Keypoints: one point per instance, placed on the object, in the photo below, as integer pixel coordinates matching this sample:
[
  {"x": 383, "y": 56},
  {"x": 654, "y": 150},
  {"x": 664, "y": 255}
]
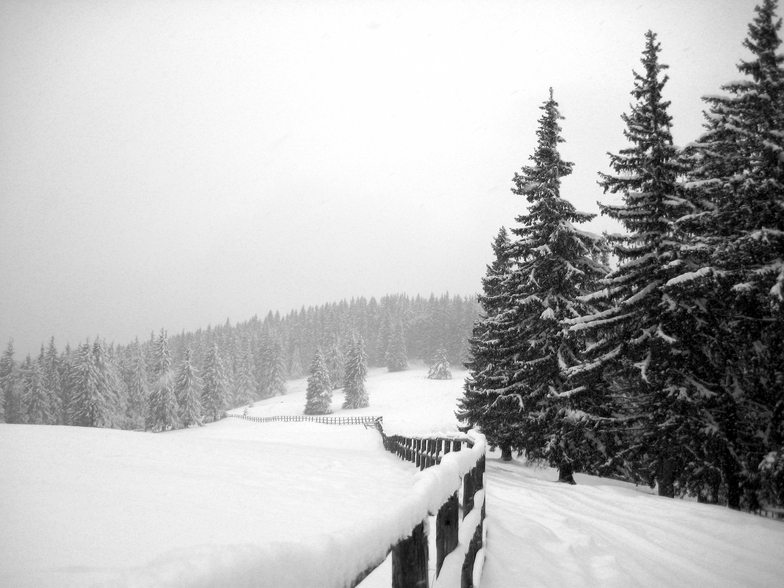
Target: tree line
[
  {"x": 193, "y": 377},
  {"x": 668, "y": 368}
]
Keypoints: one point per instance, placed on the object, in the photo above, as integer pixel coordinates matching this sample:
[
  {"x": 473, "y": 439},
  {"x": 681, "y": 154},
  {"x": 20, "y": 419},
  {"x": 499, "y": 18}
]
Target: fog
[{"x": 174, "y": 164}]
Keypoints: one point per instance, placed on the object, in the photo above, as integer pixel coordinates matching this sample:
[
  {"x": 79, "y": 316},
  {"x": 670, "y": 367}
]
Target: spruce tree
[
  {"x": 272, "y": 380},
  {"x": 137, "y": 384},
  {"x": 295, "y": 366},
  {"x": 640, "y": 339},
  {"x": 335, "y": 362},
  {"x": 187, "y": 390},
  {"x": 396, "y": 358},
  {"x": 318, "y": 396},
  {"x": 89, "y": 404},
  {"x": 356, "y": 395},
  {"x": 736, "y": 284},
  {"x": 8, "y": 376},
  {"x": 245, "y": 384},
  {"x": 552, "y": 268},
  {"x": 214, "y": 393},
  {"x": 483, "y": 404},
  {"x": 440, "y": 369},
  {"x": 164, "y": 412},
  {"x": 36, "y": 400},
  {"x": 53, "y": 383}
]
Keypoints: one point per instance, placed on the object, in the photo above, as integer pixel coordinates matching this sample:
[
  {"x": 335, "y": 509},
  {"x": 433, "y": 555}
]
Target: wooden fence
[
  {"x": 342, "y": 420},
  {"x": 410, "y": 556}
]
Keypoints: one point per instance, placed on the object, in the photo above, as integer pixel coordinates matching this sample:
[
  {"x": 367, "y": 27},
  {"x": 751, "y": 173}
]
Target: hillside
[{"x": 214, "y": 506}]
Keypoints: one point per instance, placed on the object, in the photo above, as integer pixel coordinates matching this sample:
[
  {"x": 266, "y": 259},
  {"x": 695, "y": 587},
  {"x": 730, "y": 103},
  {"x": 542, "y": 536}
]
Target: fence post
[
  {"x": 469, "y": 488},
  {"x": 409, "y": 560},
  {"x": 446, "y": 530}
]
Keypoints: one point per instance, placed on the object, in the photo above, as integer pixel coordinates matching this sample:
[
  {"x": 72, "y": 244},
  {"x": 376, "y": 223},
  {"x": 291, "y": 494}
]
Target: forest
[
  {"x": 187, "y": 379},
  {"x": 666, "y": 366}
]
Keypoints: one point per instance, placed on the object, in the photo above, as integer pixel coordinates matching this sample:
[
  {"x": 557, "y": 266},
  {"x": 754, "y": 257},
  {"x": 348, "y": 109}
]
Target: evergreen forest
[
  {"x": 657, "y": 354},
  {"x": 189, "y": 379}
]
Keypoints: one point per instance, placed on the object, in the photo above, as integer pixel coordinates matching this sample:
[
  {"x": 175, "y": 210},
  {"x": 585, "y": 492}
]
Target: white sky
[{"x": 174, "y": 163}]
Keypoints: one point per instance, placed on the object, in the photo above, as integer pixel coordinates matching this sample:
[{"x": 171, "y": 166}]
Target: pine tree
[
  {"x": 164, "y": 412},
  {"x": 335, "y": 362},
  {"x": 187, "y": 390},
  {"x": 66, "y": 369},
  {"x": 552, "y": 268},
  {"x": 53, "y": 383},
  {"x": 640, "y": 338},
  {"x": 90, "y": 404},
  {"x": 396, "y": 357},
  {"x": 440, "y": 368},
  {"x": 295, "y": 366},
  {"x": 215, "y": 391},
  {"x": 245, "y": 384},
  {"x": 319, "y": 391},
  {"x": 36, "y": 400},
  {"x": 110, "y": 383},
  {"x": 484, "y": 406},
  {"x": 272, "y": 380},
  {"x": 137, "y": 384},
  {"x": 8, "y": 376},
  {"x": 356, "y": 395},
  {"x": 735, "y": 287}
]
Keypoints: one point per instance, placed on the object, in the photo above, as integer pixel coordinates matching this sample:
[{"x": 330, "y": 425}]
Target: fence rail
[
  {"x": 460, "y": 540},
  {"x": 410, "y": 556},
  {"x": 342, "y": 420}
]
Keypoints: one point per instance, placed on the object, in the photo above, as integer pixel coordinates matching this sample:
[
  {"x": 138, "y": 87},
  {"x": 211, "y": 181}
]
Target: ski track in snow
[{"x": 215, "y": 506}]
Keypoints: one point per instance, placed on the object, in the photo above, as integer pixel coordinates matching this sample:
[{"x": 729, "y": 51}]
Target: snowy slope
[
  {"x": 606, "y": 533},
  {"x": 227, "y": 504}
]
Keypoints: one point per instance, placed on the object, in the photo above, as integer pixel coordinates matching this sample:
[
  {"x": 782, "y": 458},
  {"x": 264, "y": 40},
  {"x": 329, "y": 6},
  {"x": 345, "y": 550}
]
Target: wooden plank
[
  {"x": 409, "y": 560},
  {"x": 447, "y": 522}
]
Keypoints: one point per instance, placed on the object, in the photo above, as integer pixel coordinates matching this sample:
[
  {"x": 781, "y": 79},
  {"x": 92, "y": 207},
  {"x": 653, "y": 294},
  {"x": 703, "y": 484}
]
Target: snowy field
[{"x": 217, "y": 506}]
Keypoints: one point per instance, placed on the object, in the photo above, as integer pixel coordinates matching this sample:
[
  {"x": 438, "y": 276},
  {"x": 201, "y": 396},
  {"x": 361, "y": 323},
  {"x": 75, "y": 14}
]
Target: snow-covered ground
[{"x": 219, "y": 505}]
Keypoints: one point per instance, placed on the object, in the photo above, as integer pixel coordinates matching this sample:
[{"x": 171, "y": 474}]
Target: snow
[
  {"x": 608, "y": 533},
  {"x": 238, "y": 503}
]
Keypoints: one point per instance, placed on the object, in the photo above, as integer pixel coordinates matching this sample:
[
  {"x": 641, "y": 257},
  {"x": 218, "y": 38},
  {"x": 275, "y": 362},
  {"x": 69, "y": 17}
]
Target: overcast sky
[{"x": 176, "y": 163}]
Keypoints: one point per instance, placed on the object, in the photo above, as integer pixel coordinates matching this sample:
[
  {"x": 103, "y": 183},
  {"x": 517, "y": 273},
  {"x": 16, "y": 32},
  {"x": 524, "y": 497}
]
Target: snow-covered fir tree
[
  {"x": 53, "y": 382},
  {"x": 318, "y": 396},
  {"x": 8, "y": 377},
  {"x": 137, "y": 384},
  {"x": 396, "y": 358},
  {"x": 36, "y": 401},
  {"x": 552, "y": 267},
  {"x": 163, "y": 413},
  {"x": 483, "y": 405},
  {"x": 90, "y": 404},
  {"x": 335, "y": 362},
  {"x": 295, "y": 365},
  {"x": 639, "y": 338},
  {"x": 215, "y": 391},
  {"x": 272, "y": 376},
  {"x": 356, "y": 395},
  {"x": 735, "y": 286},
  {"x": 440, "y": 368},
  {"x": 245, "y": 384},
  {"x": 187, "y": 390}
]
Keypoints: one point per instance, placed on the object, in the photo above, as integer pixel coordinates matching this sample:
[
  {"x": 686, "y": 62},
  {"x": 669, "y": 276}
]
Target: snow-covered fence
[
  {"x": 342, "y": 420},
  {"x": 410, "y": 556}
]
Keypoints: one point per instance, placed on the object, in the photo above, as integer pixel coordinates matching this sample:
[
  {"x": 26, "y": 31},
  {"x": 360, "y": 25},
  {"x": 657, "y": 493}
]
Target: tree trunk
[
  {"x": 731, "y": 480},
  {"x": 566, "y": 473},
  {"x": 666, "y": 477},
  {"x": 506, "y": 453}
]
